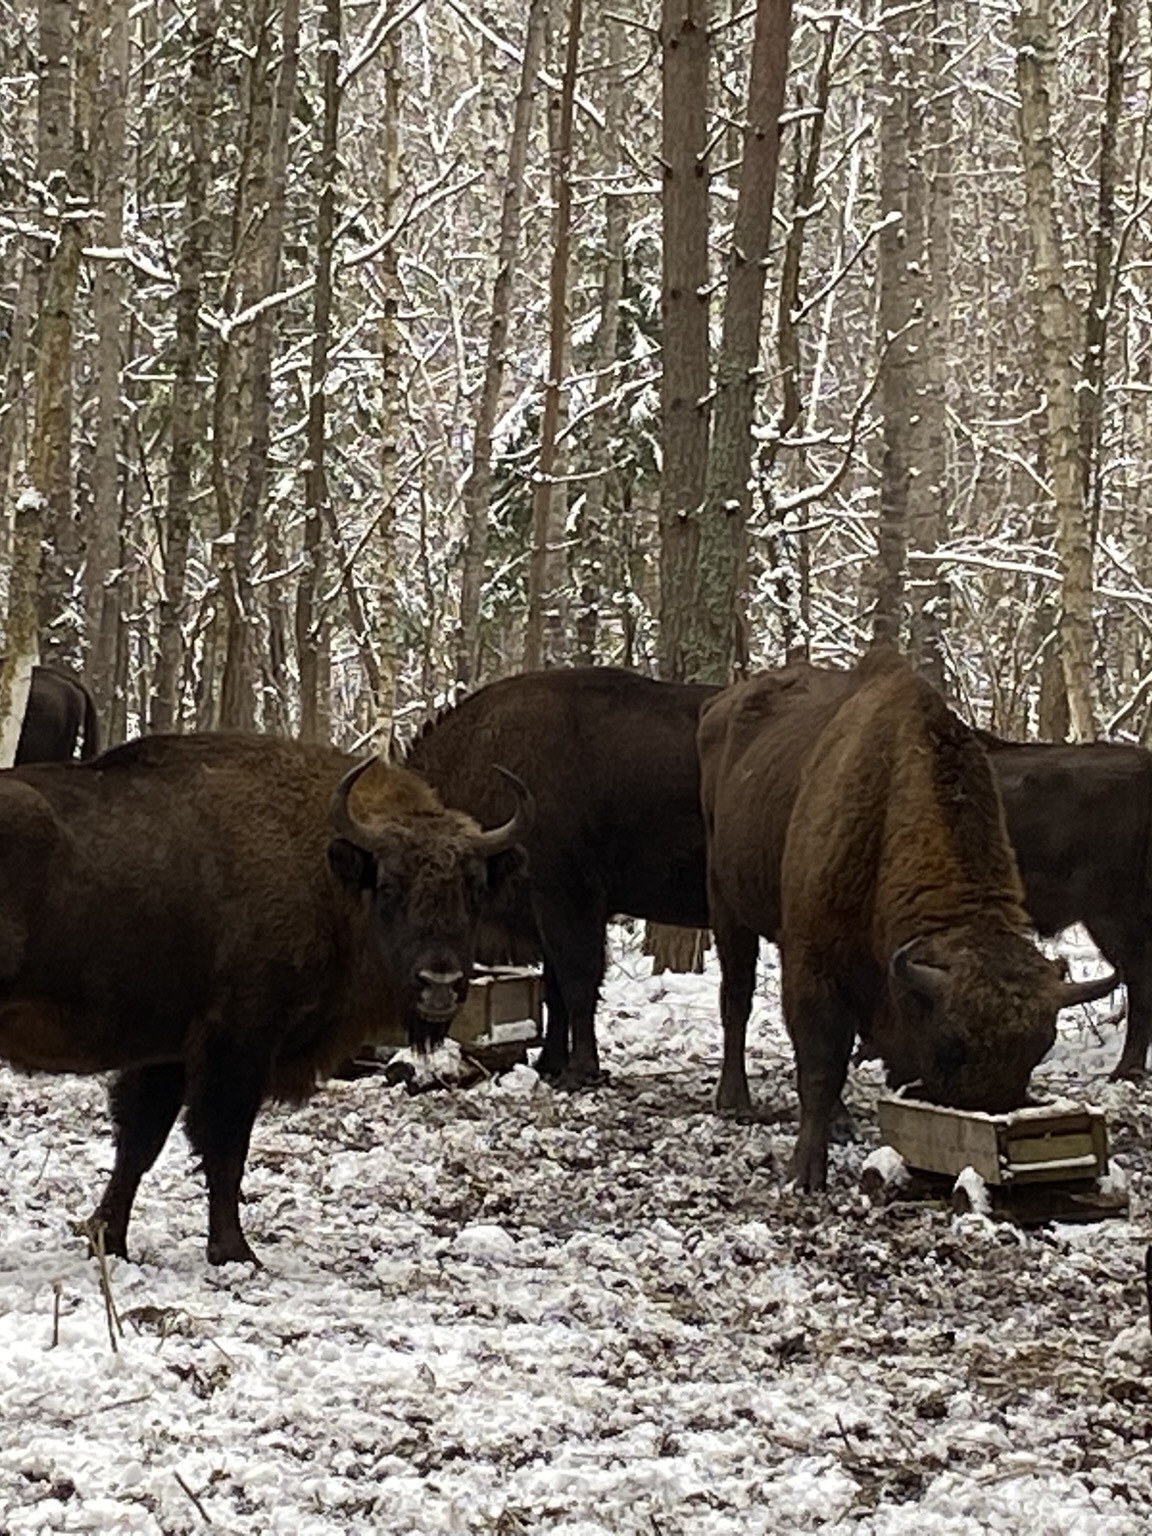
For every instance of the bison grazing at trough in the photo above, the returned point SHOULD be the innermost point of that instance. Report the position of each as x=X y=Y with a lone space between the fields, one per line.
x=611 y=758
x=898 y=909
x=59 y=716
x=219 y=919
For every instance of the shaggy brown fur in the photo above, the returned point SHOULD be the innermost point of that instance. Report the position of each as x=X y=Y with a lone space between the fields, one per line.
x=900 y=909
x=60 y=716
x=179 y=911
x=754 y=740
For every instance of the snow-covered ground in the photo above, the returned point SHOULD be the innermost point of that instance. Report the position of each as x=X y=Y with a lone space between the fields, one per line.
x=505 y=1310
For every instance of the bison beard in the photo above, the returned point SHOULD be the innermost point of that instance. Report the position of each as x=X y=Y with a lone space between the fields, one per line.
x=178 y=911
x=899 y=909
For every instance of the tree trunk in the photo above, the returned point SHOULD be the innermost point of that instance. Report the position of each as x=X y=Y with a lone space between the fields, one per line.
x=271 y=121
x=1099 y=311
x=59 y=62
x=387 y=577
x=928 y=590
x=164 y=706
x=544 y=637
x=101 y=578
x=1054 y=318
x=316 y=479
x=719 y=577
x=901 y=261
x=592 y=535
x=478 y=486
x=685 y=374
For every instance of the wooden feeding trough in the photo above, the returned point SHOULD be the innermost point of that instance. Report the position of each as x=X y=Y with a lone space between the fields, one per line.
x=501 y=1017
x=1048 y=1162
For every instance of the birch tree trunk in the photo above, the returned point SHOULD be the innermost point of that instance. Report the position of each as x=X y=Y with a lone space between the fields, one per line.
x=314 y=724
x=164 y=710
x=685 y=371
x=1054 y=319
x=544 y=631
x=719 y=577
x=478 y=486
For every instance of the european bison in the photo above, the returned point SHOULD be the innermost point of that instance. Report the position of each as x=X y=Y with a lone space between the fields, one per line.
x=180 y=912
x=611 y=758
x=59 y=716
x=1080 y=820
x=899 y=908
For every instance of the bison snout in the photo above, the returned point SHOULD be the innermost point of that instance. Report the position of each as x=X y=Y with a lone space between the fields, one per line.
x=441 y=993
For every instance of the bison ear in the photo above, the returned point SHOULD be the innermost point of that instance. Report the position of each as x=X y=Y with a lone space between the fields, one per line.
x=353 y=867
x=503 y=869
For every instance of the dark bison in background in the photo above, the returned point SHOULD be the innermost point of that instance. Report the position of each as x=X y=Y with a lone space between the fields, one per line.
x=611 y=760
x=1080 y=821
x=899 y=911
x=60 y=716
x=180 y=912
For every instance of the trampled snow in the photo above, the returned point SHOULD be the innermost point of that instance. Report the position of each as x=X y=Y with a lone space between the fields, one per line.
x=502 y=1309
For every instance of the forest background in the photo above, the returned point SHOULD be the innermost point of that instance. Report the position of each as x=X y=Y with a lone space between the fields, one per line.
x=356 y=350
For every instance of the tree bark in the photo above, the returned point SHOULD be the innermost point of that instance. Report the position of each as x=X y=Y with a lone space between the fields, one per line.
x=102 y=583
x=544 y=630
x=164 y=705
x=719 y=576
x=1054 y=319
x=271 y=121
x=313 y=719
x=685 y=373
x=478 y=486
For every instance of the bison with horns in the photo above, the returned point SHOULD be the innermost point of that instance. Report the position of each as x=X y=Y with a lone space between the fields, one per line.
x=893 y=893
x=179 y=912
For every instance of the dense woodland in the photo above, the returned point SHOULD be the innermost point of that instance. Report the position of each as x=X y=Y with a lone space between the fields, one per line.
x=353 y=350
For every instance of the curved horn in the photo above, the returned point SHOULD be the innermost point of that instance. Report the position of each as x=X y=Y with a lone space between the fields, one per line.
x=497 y=839
x=1073 y=992
x=340 y=813
x=929 y=980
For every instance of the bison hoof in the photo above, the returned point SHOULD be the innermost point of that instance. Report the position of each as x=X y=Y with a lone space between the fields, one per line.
x=551 y=1066
x=1126 y=1071
x=575 y=1079
x=233 y=1250
x=112 y=1241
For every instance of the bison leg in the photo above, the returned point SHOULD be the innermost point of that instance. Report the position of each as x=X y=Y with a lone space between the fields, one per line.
x=1131 y=955
x=573 y=945
x=822 y=1027
x=553 y=1059
x=222 y=1103
x=144 y=1105
x=737 y=949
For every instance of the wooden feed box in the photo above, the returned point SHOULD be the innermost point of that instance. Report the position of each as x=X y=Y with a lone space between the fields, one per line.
x=1042 y=1163
x=501 y=1017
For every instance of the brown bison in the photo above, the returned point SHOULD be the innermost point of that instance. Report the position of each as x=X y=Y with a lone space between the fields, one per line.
x=179 y=911
x=898 y=907
x=60 y=716
x=611 y=758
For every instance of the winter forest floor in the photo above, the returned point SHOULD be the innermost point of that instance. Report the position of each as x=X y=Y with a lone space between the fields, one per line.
x=505 y=1310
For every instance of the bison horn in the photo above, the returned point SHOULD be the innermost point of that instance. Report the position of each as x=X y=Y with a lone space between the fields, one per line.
x=498 y=839
x=1073 y=992
x=340 y=813
x=928 y=980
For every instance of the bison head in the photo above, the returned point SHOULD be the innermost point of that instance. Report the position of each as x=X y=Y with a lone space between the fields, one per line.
x=427 y=873
x=973 y=1013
